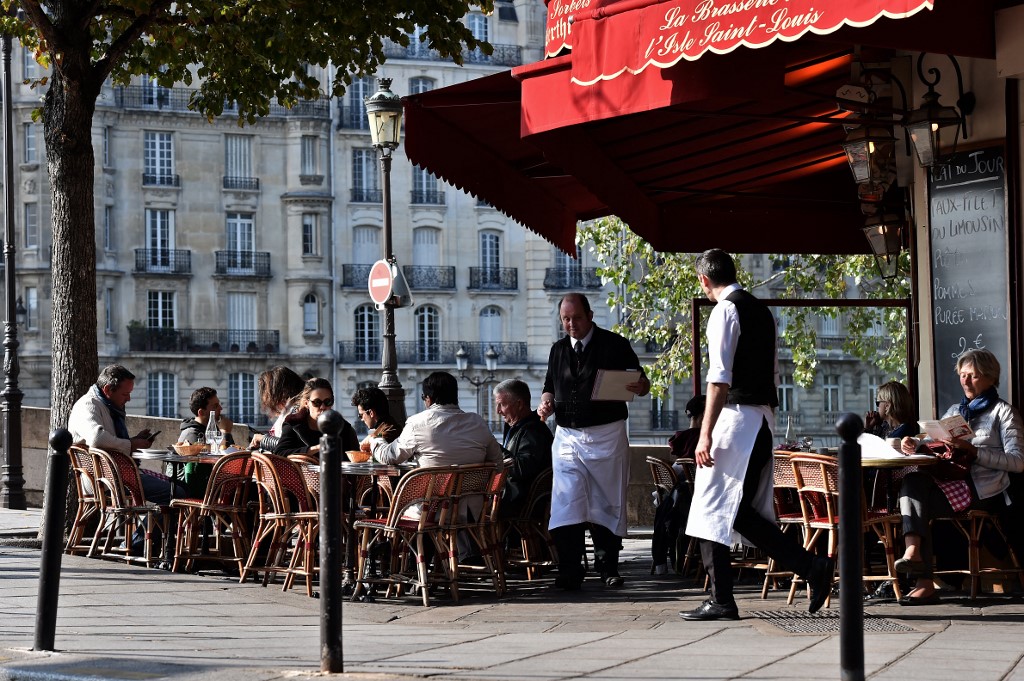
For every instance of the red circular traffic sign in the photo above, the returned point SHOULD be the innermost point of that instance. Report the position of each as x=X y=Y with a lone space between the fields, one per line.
x=380 y=282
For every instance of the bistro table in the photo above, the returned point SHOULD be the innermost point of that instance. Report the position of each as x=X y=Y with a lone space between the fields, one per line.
x=887 y=464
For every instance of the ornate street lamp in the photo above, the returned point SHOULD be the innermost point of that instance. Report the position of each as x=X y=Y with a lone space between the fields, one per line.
x=885 y=235
x=490 y=361
x=12 y=479
x=384 y=111
x=926 y=124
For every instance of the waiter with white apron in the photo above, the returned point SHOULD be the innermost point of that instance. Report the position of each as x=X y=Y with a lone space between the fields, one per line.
x=732 y=497
x=590 y=453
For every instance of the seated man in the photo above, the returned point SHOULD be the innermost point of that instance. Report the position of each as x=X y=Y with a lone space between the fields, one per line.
x=203 y=403
x=527 y=443
x=98 y=420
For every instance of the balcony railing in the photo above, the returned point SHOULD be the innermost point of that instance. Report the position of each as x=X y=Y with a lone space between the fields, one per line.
x=438 y=352
x=152 y=180
x=143 y=339
x=426 y=278
x=494 y=278
x=176 y=99
x=784 y=418
x=434 y=197
x=365 y=195
x=353 y=117
x=502 y=55
x=558 y=278
x=250 y=183
x=243 y=264
x=355 y=276
x=664 y=419
x=163 y=260
x=829 y=418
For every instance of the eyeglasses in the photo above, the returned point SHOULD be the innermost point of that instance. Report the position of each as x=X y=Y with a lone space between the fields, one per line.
x=329 y=402
x=878 y=403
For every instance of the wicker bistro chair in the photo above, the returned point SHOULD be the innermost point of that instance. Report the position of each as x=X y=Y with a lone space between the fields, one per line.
x=972 y=524
x=87 y=510
x=225 y=503
x=477 y=495
x=415 y=521
x=310 y=475
x=786 y=500
x=286 y=513
x=538 y=548
x=123 y=506
x=817 y=479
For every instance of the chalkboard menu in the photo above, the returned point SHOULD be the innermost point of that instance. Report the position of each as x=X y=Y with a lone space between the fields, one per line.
x=969 y=258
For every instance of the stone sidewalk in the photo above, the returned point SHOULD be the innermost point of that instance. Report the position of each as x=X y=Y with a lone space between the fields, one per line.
x=124 y=622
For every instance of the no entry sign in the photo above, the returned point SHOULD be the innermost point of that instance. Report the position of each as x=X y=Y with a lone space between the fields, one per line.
x=380 y=282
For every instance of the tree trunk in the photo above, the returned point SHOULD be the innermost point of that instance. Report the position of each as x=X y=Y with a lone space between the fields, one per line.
x=67 y=122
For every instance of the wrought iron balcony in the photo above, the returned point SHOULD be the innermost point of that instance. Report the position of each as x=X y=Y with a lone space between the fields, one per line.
x=493 y=279
x=243 y=264
x=160 y=180
x=353 y=117
x=163 y=260
x=433 y=197
x=664 y=419
x=144 y=339
x=558 y=278
x=176 y=99
x=501 y=55
x=356 y=276
x=250 y=183
x=435 y=353
x=366 y=195
x=426 y=278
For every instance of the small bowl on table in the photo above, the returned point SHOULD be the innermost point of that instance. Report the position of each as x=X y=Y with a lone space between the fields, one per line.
x=183 y=449
x=357 y=455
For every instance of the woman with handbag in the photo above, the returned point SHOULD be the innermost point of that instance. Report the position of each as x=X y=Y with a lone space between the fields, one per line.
x=975 y=474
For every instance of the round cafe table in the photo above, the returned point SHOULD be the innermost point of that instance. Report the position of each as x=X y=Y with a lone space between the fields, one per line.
x=887 y=465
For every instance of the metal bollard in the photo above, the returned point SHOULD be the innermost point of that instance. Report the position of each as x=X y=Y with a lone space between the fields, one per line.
x=331 y=591
x=851 y=551
x=53 y=539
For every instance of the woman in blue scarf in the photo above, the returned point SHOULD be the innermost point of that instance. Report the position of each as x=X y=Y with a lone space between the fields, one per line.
x=995 y=450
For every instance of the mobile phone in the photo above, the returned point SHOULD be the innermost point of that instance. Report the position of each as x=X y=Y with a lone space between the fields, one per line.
x=152 y=436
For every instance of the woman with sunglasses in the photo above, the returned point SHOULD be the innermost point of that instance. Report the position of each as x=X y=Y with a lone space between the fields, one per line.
x=300 y=433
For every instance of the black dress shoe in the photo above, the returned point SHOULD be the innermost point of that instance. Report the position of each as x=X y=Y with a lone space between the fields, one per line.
x=568 y=583
x=820 y=581
x=709 y=610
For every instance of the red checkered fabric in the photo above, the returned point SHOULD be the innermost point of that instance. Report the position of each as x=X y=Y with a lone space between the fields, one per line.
x=958 y=492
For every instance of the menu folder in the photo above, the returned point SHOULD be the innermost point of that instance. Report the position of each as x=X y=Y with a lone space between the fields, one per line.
x=610 y=385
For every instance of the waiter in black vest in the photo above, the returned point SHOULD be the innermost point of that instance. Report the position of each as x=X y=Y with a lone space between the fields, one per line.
x=590 y=454
x=732 y=499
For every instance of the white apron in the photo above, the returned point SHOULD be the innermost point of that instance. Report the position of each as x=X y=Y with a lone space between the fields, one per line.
x=591 y=471
x=717 y=490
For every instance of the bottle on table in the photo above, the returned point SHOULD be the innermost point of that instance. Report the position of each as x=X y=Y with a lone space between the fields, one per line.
x=214 y=435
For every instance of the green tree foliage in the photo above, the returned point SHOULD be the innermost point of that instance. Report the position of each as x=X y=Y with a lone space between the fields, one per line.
x=243 y=52
x=653 y=295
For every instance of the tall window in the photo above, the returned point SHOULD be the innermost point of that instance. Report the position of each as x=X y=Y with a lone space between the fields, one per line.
x=310 y=314
x=108 y=228
x=106 y=146
x=569 y=270
x=426 y=247
x=359 y=90
x=420 y=84
x=309 y=160
x=366 y=248
x=490 y=258
x=154 y=94
x=158 y=158
x=159 y=238
x=479 y=26
x=365 y=178
x=873 y=383
x=832 y=392
x=29 y=65
x=424 y=187
x=242 y=397
x=29 y=133
x=241 y=313
x=238 y=157
x=32 y=225
x=491 y=329
x=160 y=313
x=428 y=334
x=32 y=307
x=417 y=42
x=787 y=401
x=829 y=326
x=241 y=239
x=367 y=332
x=161 y=395
x=108 y=310
x=310 y=234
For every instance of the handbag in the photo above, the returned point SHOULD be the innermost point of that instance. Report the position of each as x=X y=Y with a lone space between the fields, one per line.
x=953 y=464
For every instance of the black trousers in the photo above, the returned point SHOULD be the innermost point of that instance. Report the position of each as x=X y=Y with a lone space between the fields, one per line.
x=570 y=543
x=788 y=553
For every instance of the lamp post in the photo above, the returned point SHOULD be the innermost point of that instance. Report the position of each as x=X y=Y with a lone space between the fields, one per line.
x=490 y=361
x=384 y=111
x=12 y=479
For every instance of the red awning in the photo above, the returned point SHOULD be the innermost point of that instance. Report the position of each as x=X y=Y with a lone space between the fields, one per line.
x=740 y=151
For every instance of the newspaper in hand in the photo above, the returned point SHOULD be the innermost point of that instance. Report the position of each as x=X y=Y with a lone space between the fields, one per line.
x=950 y=428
